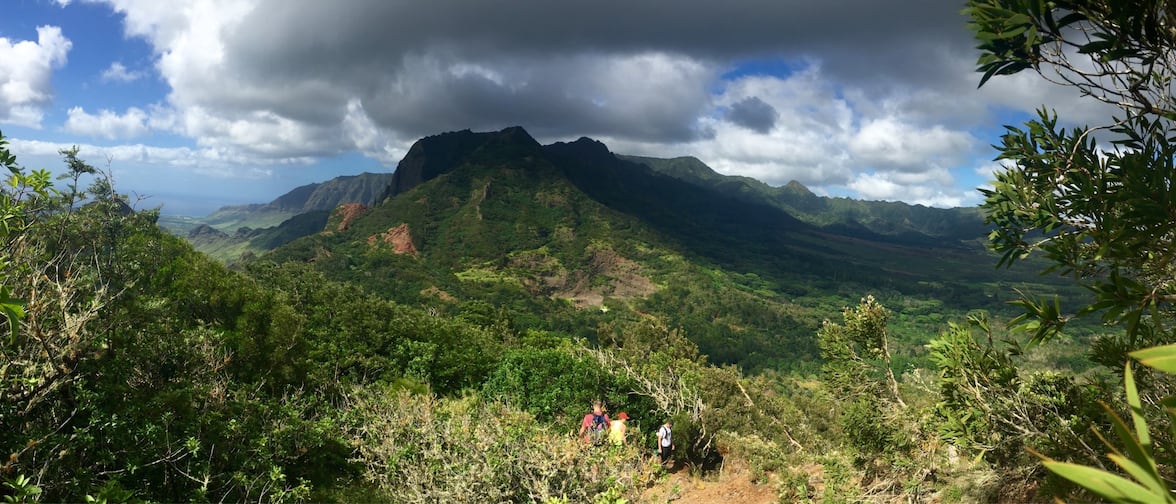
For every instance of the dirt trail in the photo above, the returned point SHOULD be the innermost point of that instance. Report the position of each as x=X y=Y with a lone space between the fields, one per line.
x=732 y=486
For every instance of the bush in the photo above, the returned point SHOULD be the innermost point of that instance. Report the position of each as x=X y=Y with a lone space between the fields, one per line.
x=421 y=449
x=989 y=407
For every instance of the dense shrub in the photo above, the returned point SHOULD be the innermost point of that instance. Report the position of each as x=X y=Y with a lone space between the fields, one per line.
x=421 y=449
x=993 y=409
x=557 y=383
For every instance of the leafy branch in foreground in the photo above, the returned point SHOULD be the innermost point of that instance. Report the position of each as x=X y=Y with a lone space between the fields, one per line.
x=1137 y=458
x=1097 y=202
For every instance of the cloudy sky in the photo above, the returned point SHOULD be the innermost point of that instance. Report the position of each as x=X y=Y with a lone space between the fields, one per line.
x=199 y=103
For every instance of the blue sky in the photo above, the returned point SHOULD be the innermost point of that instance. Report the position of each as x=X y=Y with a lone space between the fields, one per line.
x=201 y=103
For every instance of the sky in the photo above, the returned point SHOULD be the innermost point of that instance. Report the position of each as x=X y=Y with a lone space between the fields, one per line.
x=194 y=104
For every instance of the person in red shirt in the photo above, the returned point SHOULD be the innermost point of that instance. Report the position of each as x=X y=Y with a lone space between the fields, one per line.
x=594 y=428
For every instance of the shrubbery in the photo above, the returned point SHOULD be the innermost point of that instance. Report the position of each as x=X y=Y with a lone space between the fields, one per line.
x=421 y=449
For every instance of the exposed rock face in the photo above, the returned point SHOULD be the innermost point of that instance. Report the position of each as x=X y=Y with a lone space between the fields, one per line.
x=398 y=237
x=607 y=274
x=627 y=280
x=436 y=155
x=348 y=213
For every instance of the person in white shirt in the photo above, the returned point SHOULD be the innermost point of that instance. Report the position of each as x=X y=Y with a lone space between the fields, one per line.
x=665 y=441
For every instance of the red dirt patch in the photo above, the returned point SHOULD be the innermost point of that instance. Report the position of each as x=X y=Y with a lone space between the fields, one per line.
x=348 y=212
x=398 y=237
x=733 y=486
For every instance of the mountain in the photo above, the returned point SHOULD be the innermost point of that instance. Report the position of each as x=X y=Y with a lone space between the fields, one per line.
x=568 y=236
x=232 y=231
x=897 y=219
x=366 y=188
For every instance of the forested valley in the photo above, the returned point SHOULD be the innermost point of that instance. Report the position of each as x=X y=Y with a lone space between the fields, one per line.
x=437 y=335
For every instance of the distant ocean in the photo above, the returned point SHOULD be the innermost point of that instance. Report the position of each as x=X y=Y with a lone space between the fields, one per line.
x=182 y=204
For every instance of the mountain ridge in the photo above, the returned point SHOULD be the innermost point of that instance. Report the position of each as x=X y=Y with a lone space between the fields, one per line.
x=571 y=235
x=887 y=218
x=438 y=154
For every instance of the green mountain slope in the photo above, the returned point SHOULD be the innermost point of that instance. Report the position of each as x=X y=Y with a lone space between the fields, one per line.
x=847 y=215
x=568 y=237
x=242 y=230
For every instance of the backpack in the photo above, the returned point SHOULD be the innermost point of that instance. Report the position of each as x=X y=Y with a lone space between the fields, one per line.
x=598 y=430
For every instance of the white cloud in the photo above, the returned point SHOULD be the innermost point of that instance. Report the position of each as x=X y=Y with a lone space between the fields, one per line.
x=369 y=138
x=107 y=124
x=891 y=143
x=889 y=92
x=25 y=71
x=117 y=72
x=989 y=169
x=881 y=186
x=824 y=138
x=204 y=161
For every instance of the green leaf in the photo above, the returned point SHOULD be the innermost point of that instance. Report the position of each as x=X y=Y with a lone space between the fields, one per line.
x=1096 y=46
x=1135 y=451
x=1162 y=358
x=1142 y=474
x=1133 y=401
x=13 y=313
x=1103 y=483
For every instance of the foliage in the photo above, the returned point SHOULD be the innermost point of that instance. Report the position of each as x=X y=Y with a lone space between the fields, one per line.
x=900 y=222
x=1099 y=215
x=1117 y=52
x=989 y=406
x=858 y=369
x=122 y=322
x=858 y=349
x=559 y=384
x=22 y=488
x=668 y=378
x=365 y=338
x=417 y=448
x=1138 y=455
x=1096 y=202
x=24 y=196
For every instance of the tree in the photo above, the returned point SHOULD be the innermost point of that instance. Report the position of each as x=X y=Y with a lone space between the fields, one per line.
x=1098 y=201
x=857 y=369
x=857 y=350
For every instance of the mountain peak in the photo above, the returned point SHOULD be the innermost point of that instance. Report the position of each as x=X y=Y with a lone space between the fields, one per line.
x=515 y=133
x=509 y=142
x=436 y=155
x=583 y=148
x=798 y=189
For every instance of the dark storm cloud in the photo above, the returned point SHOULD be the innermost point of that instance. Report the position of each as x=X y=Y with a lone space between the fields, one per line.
x=291 y=32
x=754 y=114
x=642 y=97
x=560 y=67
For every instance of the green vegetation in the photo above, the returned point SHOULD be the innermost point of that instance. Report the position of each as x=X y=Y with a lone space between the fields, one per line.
x=138 y=368
x=444 y=344
x=916 y=224
x=1100 y=216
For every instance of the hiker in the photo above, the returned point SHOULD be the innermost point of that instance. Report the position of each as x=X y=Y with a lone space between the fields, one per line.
x=594 y=427
x=617 y=428
x=665 y=441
